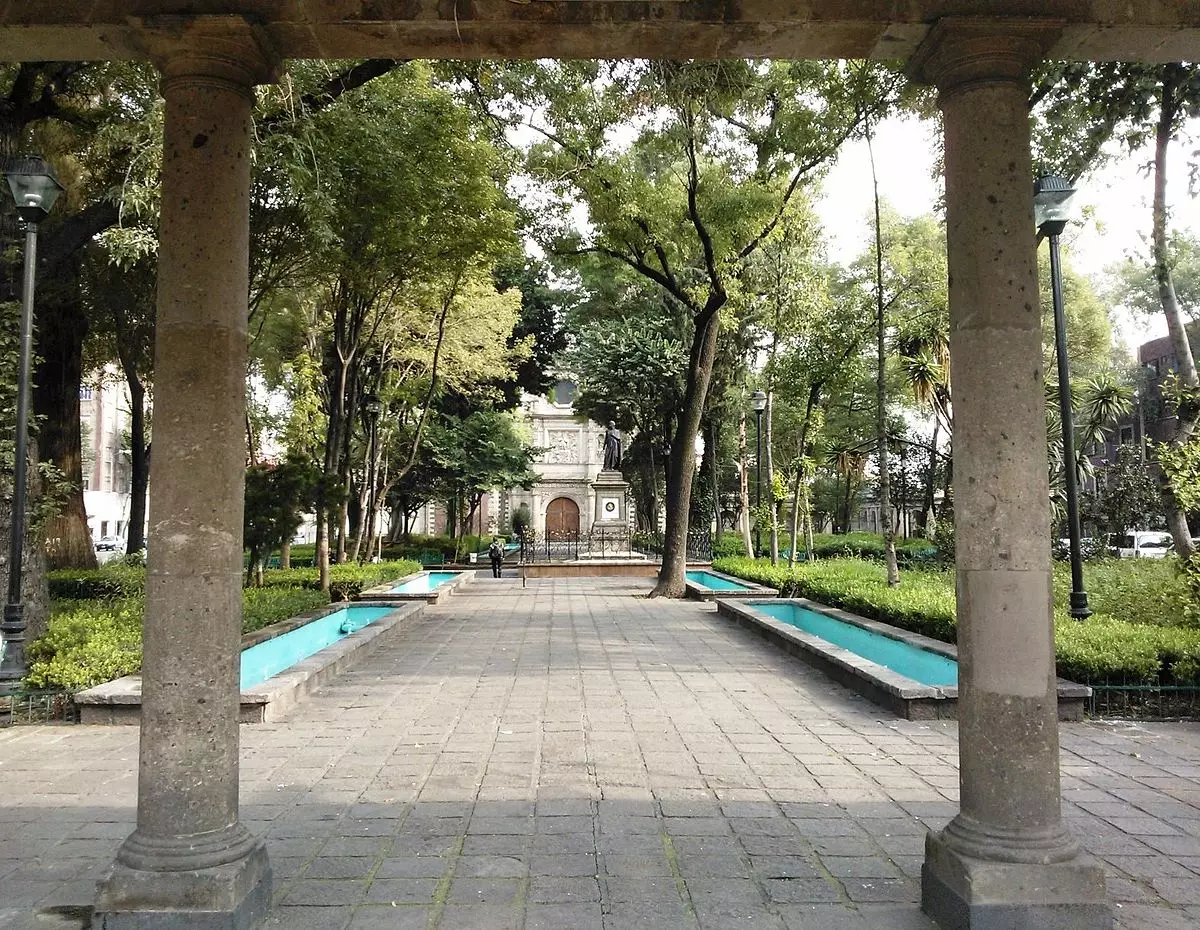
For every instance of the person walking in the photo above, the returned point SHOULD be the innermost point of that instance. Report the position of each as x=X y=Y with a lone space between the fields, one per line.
x=496 y=555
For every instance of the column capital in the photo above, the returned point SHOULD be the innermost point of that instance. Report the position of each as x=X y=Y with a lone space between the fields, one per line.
x=233 y=48
x=964 y=51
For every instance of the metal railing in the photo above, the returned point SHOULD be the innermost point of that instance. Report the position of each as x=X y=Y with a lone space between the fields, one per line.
x=31 y=707
x=571 y=547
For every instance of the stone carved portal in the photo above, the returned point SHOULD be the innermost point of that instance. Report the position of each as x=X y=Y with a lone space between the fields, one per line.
x=562 y=518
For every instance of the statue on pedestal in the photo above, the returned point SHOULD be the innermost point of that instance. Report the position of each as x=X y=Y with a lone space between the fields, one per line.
x=612 y=448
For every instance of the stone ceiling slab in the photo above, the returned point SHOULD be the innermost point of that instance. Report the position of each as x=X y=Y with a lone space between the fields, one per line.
x=1148 y=30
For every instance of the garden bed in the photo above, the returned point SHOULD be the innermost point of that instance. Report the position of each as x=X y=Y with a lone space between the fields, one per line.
x=120 y=701
x=1138 y=635
x=891 y=686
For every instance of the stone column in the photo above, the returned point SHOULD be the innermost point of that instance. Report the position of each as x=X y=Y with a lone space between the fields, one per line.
x=1007 y=859
x=190 y=862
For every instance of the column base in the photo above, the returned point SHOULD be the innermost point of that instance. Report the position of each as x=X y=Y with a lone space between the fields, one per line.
x=961 y=892
x=232 y=896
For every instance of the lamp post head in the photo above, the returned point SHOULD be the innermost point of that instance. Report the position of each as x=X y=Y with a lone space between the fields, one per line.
x=33 y=185
x=1052 y=197
x=758 y=400
x=371 y=406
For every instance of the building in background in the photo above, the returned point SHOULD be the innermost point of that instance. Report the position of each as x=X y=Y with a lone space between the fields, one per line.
x=107 y=474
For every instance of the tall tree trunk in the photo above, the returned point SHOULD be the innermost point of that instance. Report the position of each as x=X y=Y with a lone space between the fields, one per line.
x=60 y=330
x=814 y=393
x=1185 y=363
x=321 y=554
x=930 y=481
x=885 y=498
x=139 y=461
x=681 y=467
x=715 y=472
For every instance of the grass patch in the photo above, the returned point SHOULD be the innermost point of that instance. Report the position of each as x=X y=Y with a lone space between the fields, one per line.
x=1137 y=635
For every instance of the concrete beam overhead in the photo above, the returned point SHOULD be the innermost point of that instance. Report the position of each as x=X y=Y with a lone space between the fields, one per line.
x=1150 y=30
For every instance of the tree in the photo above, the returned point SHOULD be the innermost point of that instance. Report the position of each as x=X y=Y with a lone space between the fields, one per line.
x=121 y=295
x=1134 y=282
x=478 y=453
x=1087 y=105
x=407 y=217
x=1126 y=495
x=717 y=152
x=277 y=497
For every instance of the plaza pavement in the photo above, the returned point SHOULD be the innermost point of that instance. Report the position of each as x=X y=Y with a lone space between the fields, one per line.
x=572 y=755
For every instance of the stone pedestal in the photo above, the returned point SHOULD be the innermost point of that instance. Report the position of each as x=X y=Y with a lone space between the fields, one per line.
x=190 y=863
x=611 y=493
x=1007 y=859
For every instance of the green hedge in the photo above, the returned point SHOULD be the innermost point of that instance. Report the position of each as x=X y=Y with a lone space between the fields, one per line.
x=117 y=582
x=114 y=581
x=1110 y=647
x=90 y=642
x=345 y=581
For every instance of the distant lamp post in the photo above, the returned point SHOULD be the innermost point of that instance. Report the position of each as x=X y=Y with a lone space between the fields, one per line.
x=35 y=189
x=372 y=408
x=1052 y=198
x=758 y=400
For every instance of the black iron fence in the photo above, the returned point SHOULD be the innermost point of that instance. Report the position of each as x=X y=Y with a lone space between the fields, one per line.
x=571 y=547
x=37 y=707
x=1144 y=701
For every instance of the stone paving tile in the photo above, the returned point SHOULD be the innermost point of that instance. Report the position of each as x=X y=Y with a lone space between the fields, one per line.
x=586 y=759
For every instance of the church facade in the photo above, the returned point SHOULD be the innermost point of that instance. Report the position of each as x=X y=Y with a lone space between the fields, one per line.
x=563 y=502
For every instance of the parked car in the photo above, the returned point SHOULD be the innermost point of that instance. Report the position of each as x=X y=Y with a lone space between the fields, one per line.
x=1139 y=545
x=109 y=544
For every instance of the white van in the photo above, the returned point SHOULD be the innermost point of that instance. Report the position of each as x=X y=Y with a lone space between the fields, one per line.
x=1140 y=545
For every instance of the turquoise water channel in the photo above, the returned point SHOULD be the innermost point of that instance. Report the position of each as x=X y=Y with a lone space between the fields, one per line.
x=271 y=657
x=929 y=668
x=424 y=583
x=715 y=582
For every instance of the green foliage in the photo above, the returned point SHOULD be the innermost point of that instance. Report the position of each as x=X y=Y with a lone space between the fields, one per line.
x=112 y=581
x=1139 y=632
x=277 y=496
x=730 y=544
x=1135 y=286
x=1127 y=495
x=263 y=606
x=87 y=643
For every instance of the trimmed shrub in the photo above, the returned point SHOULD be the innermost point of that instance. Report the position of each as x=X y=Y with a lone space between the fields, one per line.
x=345 y=581
x=93 y=641
x=730 y=544
x=86 y=643
x=263 y=606
x=116 y=580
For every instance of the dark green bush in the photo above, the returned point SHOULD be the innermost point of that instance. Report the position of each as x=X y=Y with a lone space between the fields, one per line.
x=345 y=581
x=446 y=546
x=730 y=544
x=1126 y=641
x=263 y=606
x=113 y=581
x=92 y=641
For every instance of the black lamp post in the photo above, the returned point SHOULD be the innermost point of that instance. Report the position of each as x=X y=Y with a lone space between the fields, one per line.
x=35 y=189
x=371 y=407
x=1051 y=211
x=758 y=400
